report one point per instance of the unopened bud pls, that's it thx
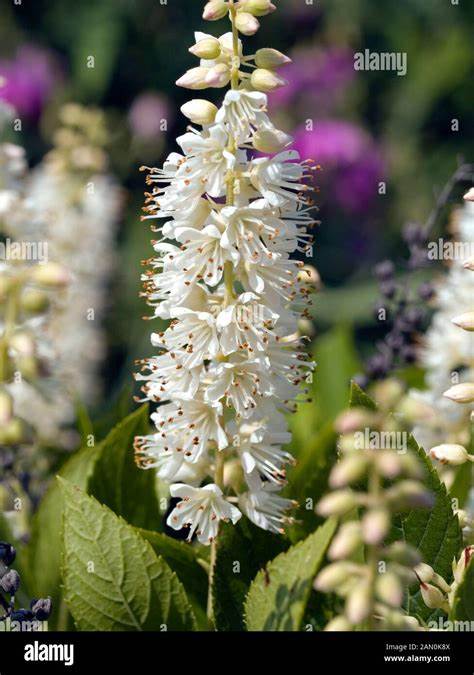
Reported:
(22, 343)
(461, 393)
(257, 7)
(200, 111)
(215, 10)
(265, 80)
(218, 76)
(346, 541)
(270, 58)
(337, 504)
(460, 566)
(387, 393)
(208, 48)
(13, 433)
(42, 608)
(332, 576)
(433, 597)
(353, 420)
(7, 553)
(195, 78)
(358, 603)
(465, 321)
(450, 453)
(270, 140)
(34, 301)
(403, 553)
(469, 196)
(349, 470)
(28, 366)
(51, 275)
(308, 274)
(10, 582)
(389, 589)
(389, 464)
(375, 525)
(409, 494)
(246, 23)
(469, 264)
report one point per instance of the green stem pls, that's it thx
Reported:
(373, 551)
(10, 322)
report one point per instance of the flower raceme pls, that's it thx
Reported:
(230, 363)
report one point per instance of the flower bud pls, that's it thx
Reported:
(270, 58)
(353, 420)
(358, 603)
(375, 525)
(389, 464)
(22, 343)
(469, 196)
(465, 321)
(270, 140)
(41, 608)
(13, 433)
(5, 285)
(389, 589)
(199, 111)
(347, 444)
(387, 393)
(51, 275)
(10, 582)
(403, 553)
(215, 10)
(332, 576)
(218, 76)
(6, 407)
(34, 301)
(409, 494)
(195, 78)
(7, 553)
(432, 597)
(461, 393)
(459, 567)
(450, 453)
(308, 274)
(257, 7)
(469, 264)
(265, 80)
(337, 503)
(424, 572)
(246, 23)
(412, 467)
(208, 48)
(349, 470)
(28, 366)
(346, 541)
(339, 624)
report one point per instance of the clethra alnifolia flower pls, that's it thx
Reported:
(231, 363)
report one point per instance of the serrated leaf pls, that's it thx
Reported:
(242, 550)
(434, 532)
(118, 483)
(182, 559)
(113, 580)
(359, 399)
(278, 596)
(463, 603)
(44, 550)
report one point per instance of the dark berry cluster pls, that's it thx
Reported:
(39, 610)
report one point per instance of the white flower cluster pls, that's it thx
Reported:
(72, 207)
(448, 352)
(230, 362)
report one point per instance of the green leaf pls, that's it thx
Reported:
(182, 559)
(44, 550)
(279, 595)
(463, 604)
(113, 580)
(242, 550)
(118, 483)
(434, 532)
(359, 399)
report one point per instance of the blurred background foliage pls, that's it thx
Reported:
(362, 127)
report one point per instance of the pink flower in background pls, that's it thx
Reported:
(349, 155)
(30, 79)
(321, 77)
(147, 114)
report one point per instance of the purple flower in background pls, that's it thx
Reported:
(320, 76)
(349, 155)
(150, 115)
(30, 79)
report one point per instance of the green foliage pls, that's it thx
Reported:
(116, 481)
(113, 580)
(463, 604)
(250, 548)
(278, 596)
